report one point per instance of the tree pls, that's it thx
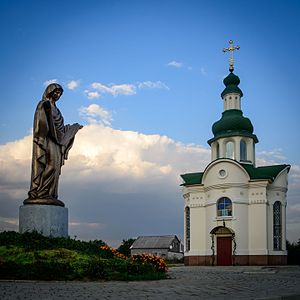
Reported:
(124, 248)
(293, 253)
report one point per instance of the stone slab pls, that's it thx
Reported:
(49, 220)
(231, 283)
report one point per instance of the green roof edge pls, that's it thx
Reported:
(233, 133)
(255, 173)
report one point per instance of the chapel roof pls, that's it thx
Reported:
(255, 173)
(232, 123)
(231, 83)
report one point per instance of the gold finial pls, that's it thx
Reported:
(231, 48)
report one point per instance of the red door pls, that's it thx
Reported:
(224, 251)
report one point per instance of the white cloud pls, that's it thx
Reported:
(175, 64)
(94, 113)
(47, 82)
(92, 94)
(203, 71)
(116, 182)
(152, 85)
(115, 89)
(111, 176)
(97, 88)
(73, 84)
(274, 156)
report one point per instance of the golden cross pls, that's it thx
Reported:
(231, 48)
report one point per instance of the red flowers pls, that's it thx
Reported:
(157, 262)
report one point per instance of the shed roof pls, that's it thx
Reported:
(153, 242)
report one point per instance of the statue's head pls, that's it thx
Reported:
(53, 90)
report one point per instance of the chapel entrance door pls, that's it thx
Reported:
(224, 251)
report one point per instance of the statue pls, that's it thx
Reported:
(52, 141)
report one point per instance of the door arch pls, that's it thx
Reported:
(225, 240)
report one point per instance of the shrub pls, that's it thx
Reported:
(41, 270)
(293, 253)
(35, 241)
(157, 262)
(124, 248)
(97, 269)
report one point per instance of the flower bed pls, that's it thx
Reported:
(32, 256)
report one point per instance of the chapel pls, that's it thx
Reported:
(235, 211)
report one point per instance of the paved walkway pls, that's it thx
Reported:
(184, 283)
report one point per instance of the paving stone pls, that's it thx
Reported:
(281, 282)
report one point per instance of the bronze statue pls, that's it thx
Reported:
(52, 141)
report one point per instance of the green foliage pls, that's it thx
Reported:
(41, 270)
(124, 248)
(33, 256)
(97, 268)
(36, 241)
(293, 253)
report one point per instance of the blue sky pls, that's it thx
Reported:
(153, 68)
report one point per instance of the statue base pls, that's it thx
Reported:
(44, 201)
(49, 220)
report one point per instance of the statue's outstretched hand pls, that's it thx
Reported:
(78, 125)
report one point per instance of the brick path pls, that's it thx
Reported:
(184, 283)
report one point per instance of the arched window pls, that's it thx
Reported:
(229, 150)
(218, 150)
(224, 207)
(277, 231)
(243, 150)
(187, 229)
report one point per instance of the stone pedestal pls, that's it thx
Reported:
(49, 220)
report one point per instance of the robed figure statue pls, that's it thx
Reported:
(52, 141)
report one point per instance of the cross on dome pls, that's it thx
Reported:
(230, 49)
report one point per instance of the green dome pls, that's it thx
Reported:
(233, 123)
(231, 82)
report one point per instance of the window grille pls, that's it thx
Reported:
(277, 230)
(187, 229)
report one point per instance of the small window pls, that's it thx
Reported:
(222, 173)
(187, 229)
(230, 150)
(218, 150)
(224, 207)
(243, 150)
(277, 231)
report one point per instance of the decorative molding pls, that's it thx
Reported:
(195, 205)
(224, 218)
(257, 201)
(187, 195)
(277, 188)
(226, 186)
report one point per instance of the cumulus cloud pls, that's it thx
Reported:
(47, 82)
(152, 85)
(117, 179)
(118, 184)
(175, 64)
(97, 89)
(274, 156)
(73, 84)
(94, 114)
(115, 89)
(92, 95)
